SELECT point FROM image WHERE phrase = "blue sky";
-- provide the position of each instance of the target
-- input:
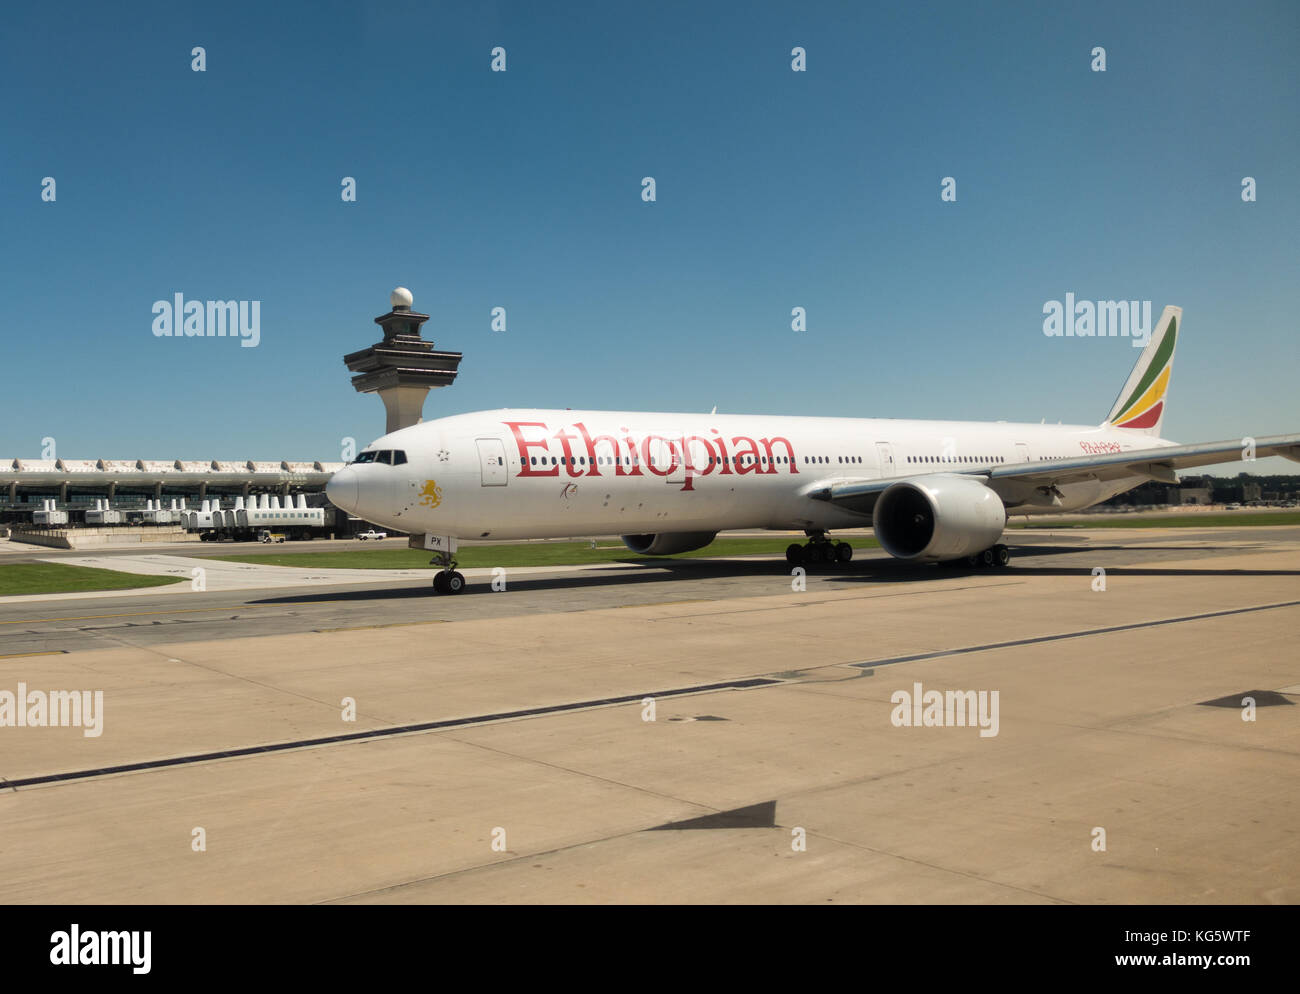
(522, 189)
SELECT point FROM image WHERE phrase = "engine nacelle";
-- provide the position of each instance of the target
(938, 517)
(669, 543)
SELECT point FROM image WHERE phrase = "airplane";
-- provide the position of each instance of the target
(933, 491)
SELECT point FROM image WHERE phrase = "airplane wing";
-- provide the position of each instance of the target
(1160, 463)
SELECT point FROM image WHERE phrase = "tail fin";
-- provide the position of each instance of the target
(1141, 404)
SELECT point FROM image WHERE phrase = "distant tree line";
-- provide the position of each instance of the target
(1223, 490)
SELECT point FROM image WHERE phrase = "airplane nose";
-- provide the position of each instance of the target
(342, 489)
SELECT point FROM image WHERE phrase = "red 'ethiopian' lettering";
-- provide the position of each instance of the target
(593, 461)
(744, 459)
(747, 458)
(564, 437)
(692, 467)
(789, 449)
(647, 455)
(524, 468)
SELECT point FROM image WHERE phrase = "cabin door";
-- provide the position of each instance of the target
(492, 461)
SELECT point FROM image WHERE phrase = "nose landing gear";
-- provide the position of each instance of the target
(448, 581)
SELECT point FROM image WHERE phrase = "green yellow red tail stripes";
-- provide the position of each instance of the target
(1141, 404)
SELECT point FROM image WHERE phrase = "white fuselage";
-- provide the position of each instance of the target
(516, 474)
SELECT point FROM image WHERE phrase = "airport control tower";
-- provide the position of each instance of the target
(404, 367)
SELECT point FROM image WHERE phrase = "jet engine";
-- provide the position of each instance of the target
(669, 543)
(939, 517)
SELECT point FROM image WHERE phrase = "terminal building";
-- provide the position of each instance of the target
(168, 498)
(48, 501)
(81, 481)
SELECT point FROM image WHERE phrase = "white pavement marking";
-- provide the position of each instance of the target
(226, 576)
(221, 575)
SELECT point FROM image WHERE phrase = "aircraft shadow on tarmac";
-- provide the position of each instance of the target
(876, 570)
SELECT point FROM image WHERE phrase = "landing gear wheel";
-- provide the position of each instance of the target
(843, 551)
(439, 583)
(987, 558)
(455, 583)
(794, 554)
(827, 552)
(1001, 554)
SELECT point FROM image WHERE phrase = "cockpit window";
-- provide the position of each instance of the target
(389, 457)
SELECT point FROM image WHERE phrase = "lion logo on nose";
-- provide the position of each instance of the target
(431, 495)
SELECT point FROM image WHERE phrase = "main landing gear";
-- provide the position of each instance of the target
(995, 555)
(448, 581)
(819, 549)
